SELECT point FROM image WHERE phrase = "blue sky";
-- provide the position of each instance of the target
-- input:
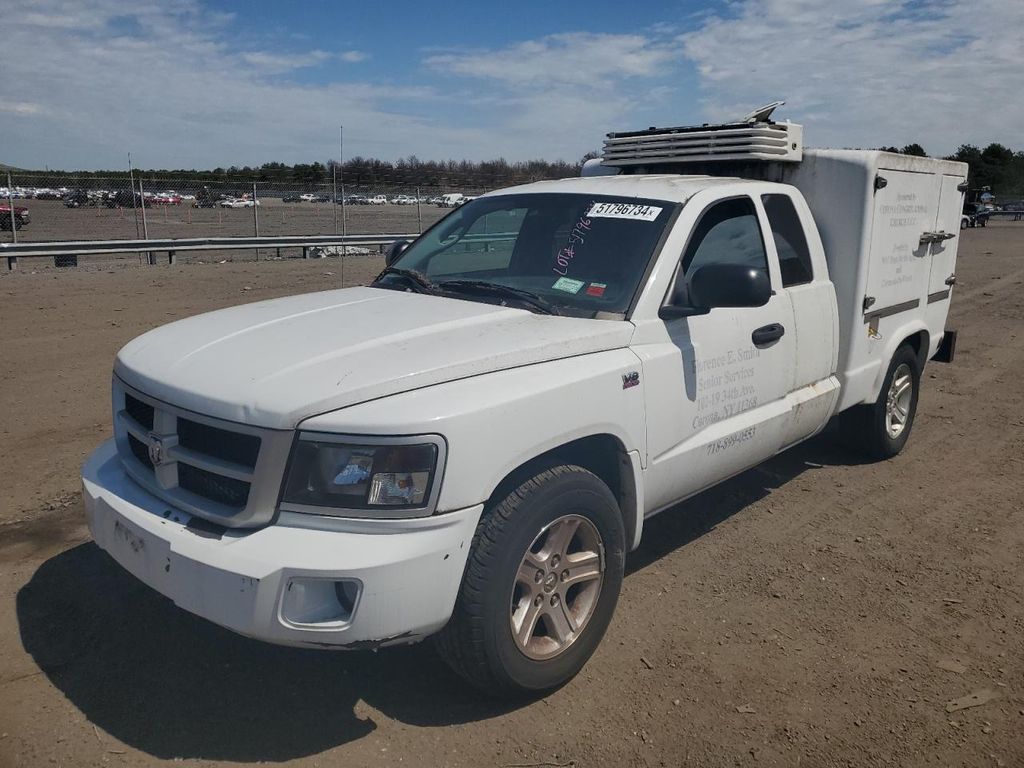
(202, 84)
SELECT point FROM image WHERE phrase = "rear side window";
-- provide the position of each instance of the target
(727, 233)
(790, 241)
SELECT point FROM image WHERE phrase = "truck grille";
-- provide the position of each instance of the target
(213, 441)
(225, 472)
(223, 490)
(140, 451)
(140, 411)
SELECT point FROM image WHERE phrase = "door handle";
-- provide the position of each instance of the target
(766, 334)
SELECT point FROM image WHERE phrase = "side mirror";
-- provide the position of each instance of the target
(720, 285)
(394, 251)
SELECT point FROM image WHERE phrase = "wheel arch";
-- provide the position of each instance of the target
(915, 335)
(605, 456)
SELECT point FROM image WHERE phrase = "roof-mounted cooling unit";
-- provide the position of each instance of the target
(755, 137)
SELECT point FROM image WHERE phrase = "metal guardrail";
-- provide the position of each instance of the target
(69, 251)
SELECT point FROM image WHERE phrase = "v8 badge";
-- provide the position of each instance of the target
(631, 379)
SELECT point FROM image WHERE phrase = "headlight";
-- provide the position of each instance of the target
(369, 477)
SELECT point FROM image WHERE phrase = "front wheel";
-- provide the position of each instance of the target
(881, 429)
(541, 584)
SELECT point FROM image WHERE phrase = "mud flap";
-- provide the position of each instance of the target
(947, 348)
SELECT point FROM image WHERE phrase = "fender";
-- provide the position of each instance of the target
(893, 338)
(496, 422)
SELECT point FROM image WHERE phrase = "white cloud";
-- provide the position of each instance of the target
(577, 58)
(276, 63)
(85, 81)
(24, 108)
(163, 81)
(556, 97)
(869, 72)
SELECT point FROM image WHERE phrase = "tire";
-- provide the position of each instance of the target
(881, 429)
(516, 535)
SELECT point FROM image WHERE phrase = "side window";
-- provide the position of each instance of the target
(727, 233)
(790, 241)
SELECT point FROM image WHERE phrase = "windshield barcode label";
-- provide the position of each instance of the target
(624, 211)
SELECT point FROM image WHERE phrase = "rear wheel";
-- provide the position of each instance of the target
(881, 429)
(540, 586)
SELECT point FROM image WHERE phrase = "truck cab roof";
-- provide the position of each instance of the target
(667, 186)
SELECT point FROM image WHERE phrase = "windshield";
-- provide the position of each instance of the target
(582, 254)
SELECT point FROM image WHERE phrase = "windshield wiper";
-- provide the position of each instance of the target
(418, 279)
(503, 291)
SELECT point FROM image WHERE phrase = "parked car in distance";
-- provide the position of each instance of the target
(78, 198)
(125, 198)
(291, 198)
(165, 198)
(307, 197)
(377, 200)
(452, 200)
(236, 202)
(18, 220)
(977, 215)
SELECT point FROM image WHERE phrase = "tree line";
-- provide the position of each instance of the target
(357, 172)
(995, 166)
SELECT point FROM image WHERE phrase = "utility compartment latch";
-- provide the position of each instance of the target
(935, 237)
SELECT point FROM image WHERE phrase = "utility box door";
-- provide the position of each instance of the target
(898, 264)
(944, 253)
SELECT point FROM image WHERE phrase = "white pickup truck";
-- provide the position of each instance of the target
(470, 446)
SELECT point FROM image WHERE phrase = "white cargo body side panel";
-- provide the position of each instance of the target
(872, 246)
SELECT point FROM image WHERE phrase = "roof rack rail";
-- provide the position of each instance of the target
(754, 137)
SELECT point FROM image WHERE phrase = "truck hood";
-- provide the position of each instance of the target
(275, 363)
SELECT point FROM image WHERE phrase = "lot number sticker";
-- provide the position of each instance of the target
(624, 211)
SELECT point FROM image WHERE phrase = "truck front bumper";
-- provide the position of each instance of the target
(348, 583)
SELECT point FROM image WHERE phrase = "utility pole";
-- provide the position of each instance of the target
(135, 210)
(341, 162)
(344, 222)
(10, 216)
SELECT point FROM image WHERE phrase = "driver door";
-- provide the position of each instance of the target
(716, 388)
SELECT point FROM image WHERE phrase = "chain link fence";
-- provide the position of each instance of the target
(41, 207)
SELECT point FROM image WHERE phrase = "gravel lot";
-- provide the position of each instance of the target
(815, 611)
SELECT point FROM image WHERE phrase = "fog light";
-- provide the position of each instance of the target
(320, 603)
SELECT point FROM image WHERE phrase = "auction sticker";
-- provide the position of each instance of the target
(596, 289)
(624, 211)
(568, 285)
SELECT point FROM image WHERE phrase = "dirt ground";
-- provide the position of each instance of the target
(815, 611)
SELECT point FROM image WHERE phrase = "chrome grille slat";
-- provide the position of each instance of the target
(211, 464)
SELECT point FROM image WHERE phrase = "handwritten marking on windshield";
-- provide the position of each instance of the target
(568, 253)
